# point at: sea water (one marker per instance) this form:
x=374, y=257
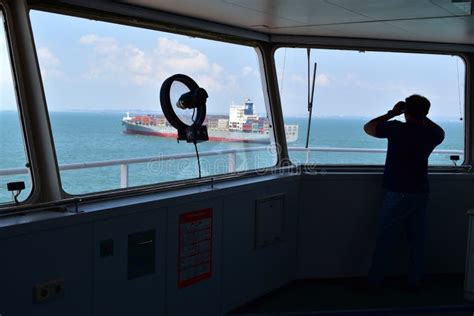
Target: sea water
x=81, y=137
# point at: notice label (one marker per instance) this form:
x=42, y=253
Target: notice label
x=194, y=247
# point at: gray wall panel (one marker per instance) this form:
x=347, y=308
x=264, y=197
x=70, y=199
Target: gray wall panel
x=48, y=255
x=114, y=293
x=338, y=226
x=329, y=232
x=202, y=298
x=248, y=272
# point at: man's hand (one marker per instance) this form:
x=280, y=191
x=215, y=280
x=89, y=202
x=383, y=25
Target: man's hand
x=399, y=108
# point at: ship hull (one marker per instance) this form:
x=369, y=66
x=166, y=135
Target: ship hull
x=214, y=135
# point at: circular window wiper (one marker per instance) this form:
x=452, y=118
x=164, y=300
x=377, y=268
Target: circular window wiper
x=194, y=99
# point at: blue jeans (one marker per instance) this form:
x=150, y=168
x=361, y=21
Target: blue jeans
x=400, y=211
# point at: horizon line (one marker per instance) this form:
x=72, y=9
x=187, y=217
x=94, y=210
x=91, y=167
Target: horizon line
x=299, y=116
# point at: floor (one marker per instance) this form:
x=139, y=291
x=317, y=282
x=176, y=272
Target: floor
x=439, y=295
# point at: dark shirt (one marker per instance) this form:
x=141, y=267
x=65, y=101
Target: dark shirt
x=409, y=146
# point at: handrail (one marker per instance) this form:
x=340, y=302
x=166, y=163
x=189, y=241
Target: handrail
x=124, y=163
x=364, y=150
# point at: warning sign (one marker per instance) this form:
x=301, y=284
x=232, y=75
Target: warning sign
x=194, y=247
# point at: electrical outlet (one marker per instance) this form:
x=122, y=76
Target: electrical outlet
x=48, y=290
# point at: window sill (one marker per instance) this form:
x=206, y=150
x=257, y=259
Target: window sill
x=375, y=169
x=89, y=211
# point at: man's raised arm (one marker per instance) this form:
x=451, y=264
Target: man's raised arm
x=371, y=126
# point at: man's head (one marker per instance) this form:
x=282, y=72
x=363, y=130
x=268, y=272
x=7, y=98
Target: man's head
x=417, y=107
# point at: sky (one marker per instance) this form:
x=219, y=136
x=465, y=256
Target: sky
x=89, y=65
x=353, y=83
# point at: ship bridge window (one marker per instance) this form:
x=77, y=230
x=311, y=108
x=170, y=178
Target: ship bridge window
x=352, y=87
x=14, y=161
x=102, y=84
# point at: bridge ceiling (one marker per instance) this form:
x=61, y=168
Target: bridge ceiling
x=446, y=21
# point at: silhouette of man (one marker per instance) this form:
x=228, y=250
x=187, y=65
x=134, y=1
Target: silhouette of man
x=405, y=180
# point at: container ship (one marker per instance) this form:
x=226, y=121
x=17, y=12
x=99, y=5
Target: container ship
x=242, y=125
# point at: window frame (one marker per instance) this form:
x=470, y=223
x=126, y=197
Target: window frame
x=464, y=167
x=184, y=183
x=7, y=26
x=267, y=44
